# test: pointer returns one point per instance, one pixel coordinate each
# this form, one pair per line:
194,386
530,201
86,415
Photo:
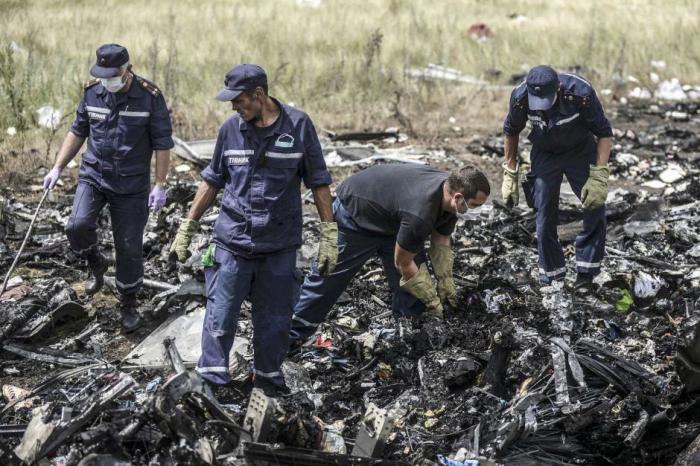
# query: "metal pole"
21,248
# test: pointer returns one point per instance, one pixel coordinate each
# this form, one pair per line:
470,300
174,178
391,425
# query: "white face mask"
113,84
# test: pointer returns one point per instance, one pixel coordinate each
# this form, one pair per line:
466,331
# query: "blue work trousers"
546,176
355,247
271,284
128,214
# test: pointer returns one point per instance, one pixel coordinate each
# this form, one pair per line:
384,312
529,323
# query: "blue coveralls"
256,236
563,143
123,130
355,247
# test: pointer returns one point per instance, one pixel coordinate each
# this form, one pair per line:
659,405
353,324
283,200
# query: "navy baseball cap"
109,58
241,78
542,86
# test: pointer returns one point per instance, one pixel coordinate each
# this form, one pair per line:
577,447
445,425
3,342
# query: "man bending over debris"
260,158
124,118
390,210
570,135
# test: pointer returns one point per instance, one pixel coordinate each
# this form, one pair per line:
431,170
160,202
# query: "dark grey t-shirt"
401,200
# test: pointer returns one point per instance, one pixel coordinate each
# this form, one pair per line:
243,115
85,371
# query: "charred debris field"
517,374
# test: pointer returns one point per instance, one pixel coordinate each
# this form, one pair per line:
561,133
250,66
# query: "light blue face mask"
113,84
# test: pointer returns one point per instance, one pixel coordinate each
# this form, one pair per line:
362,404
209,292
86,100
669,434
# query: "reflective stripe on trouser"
272,285
355,247
548,171
128,215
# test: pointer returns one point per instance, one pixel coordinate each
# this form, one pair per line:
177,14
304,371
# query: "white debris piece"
639,93
672,174
670,90
654,77
49,117
658,64
626,159
309,3
647,285
183,168
654,184
11,131
438,72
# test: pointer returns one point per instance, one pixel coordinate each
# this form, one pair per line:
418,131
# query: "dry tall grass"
343,62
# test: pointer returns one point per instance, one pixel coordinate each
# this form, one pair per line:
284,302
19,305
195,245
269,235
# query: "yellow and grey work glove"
328,248
421,286
509,188
188,228
595,191
443,260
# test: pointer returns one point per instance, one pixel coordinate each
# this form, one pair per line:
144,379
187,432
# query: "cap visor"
540,103
227,95
102,72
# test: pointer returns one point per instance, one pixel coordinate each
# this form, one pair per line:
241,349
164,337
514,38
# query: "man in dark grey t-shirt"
390,210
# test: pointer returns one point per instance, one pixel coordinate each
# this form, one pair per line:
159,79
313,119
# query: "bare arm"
510,150
403,260
71,145
604,146
439,239
205,197
162,163
322,198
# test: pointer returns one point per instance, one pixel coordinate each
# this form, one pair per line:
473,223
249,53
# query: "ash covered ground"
517,374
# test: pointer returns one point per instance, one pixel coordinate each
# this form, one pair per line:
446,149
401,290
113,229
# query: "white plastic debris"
654,184
183,168
626,159
49,117
606,92
658,64
672,174
436,72
309,3
640,93
11,131
695,251
654,77
647,285
677,116
670,90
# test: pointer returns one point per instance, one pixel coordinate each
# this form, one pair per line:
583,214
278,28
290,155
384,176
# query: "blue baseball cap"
243,77
542,86
109,58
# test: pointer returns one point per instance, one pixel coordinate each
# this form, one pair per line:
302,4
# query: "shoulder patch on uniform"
148,86
576,99
521,101
90,82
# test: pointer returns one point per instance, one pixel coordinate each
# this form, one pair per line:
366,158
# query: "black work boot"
270,388
583,283
97,265
130,316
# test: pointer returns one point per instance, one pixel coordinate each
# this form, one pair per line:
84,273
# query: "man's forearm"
162,164
322,199
205,197
71,145
604,146
510,150
403,260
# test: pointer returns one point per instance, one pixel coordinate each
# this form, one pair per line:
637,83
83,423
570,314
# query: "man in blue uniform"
124,118
570,136
390,211
261,156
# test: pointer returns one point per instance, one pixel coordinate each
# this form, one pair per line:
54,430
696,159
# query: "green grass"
343,62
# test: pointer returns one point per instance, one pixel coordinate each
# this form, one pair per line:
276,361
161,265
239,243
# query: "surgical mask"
113,84
470,214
